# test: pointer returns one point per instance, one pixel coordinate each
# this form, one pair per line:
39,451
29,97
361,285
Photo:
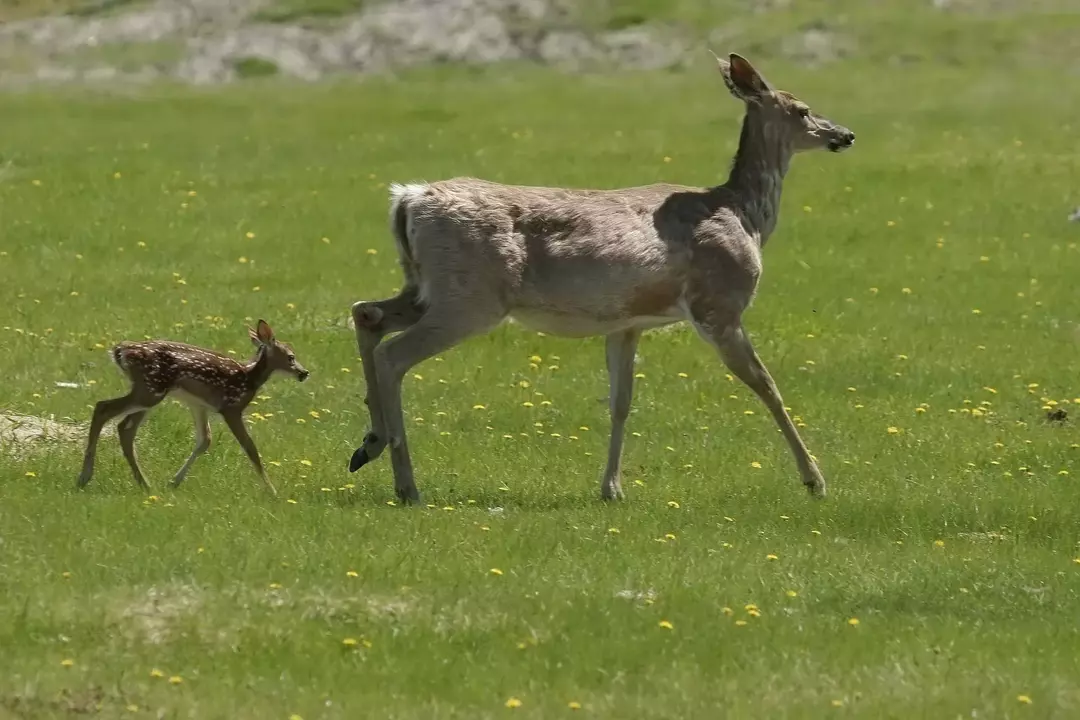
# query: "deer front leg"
234,419
621,349
127,430
373,320
104,411
738,354
441,327
202,444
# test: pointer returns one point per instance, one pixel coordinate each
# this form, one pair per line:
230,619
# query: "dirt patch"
22,433
151,617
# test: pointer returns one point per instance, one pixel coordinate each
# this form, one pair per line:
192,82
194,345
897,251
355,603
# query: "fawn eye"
804,112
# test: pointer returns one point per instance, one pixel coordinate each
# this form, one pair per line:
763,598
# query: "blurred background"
219,41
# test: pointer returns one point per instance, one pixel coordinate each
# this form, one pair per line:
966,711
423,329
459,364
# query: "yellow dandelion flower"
67,662
771,556
478,407
574,705
305,463
939,543
291,501
535,359
838,703
350,642
314,414
351,573
512,703
175,680
30,473
372,251
683,375
853,622
613,531
791,593
976,311
249,235
673,504
495,571
756,465
132,707
1023,699
666,625
155,673
740,623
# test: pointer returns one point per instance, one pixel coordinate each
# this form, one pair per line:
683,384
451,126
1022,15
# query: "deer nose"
303,375
849,137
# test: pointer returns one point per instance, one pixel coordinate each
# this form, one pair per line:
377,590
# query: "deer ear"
264,333
744,82
254,337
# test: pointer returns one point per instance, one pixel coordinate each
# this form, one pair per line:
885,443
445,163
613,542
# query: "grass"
188,214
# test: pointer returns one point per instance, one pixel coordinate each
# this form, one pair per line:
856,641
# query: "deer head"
790,118
279,356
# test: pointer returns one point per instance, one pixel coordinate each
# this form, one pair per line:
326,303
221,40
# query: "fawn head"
790,118
279,356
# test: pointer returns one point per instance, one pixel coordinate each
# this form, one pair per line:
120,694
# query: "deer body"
206,381
589,262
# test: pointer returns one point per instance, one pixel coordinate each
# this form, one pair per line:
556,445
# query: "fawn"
579,262
204,380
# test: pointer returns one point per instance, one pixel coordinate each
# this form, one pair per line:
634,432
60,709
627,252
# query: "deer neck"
757,174
258,371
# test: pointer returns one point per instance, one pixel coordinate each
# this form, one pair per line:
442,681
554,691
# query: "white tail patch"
400,192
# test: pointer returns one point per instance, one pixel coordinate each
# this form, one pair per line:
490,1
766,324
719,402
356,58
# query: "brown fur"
205,380
580,262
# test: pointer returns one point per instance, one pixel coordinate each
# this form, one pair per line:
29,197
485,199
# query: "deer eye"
804,112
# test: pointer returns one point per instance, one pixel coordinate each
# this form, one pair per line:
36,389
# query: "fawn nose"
302,375
849,137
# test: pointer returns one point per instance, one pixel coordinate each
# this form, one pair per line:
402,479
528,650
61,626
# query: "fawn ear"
744,82
254,337
264,333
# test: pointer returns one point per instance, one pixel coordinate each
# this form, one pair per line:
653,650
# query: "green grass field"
918,310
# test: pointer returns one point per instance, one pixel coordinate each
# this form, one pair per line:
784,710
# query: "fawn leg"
202,443
373,320
105,411
235,422
739,355
441,327
127,430
621,348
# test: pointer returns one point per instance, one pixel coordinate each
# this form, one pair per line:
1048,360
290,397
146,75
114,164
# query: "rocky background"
216,41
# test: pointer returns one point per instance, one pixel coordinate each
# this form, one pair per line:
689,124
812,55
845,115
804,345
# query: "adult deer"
203,379
581,263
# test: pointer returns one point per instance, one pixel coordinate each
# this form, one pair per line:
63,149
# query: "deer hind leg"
127,429
105,411
442,327
738,354
373,321
621,349
202,443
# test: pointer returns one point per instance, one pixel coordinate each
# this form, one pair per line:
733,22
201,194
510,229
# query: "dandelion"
771,557
495,571
67,662
574,705
892,430
350,642
666,625
305,463
512,703
1023,699
756,465
976,311
791,593
613,531
291,501
838,703
351,573
155,673
30,474
673,504
683,375
853,622
175,680
939,543
740,623
372,251
242,260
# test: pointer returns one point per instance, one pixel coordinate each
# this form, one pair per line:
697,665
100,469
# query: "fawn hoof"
611,493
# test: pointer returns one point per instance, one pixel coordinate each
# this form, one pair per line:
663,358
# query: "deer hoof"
817,489
359,459
407,495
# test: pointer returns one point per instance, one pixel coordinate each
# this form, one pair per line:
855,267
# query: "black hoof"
359,459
